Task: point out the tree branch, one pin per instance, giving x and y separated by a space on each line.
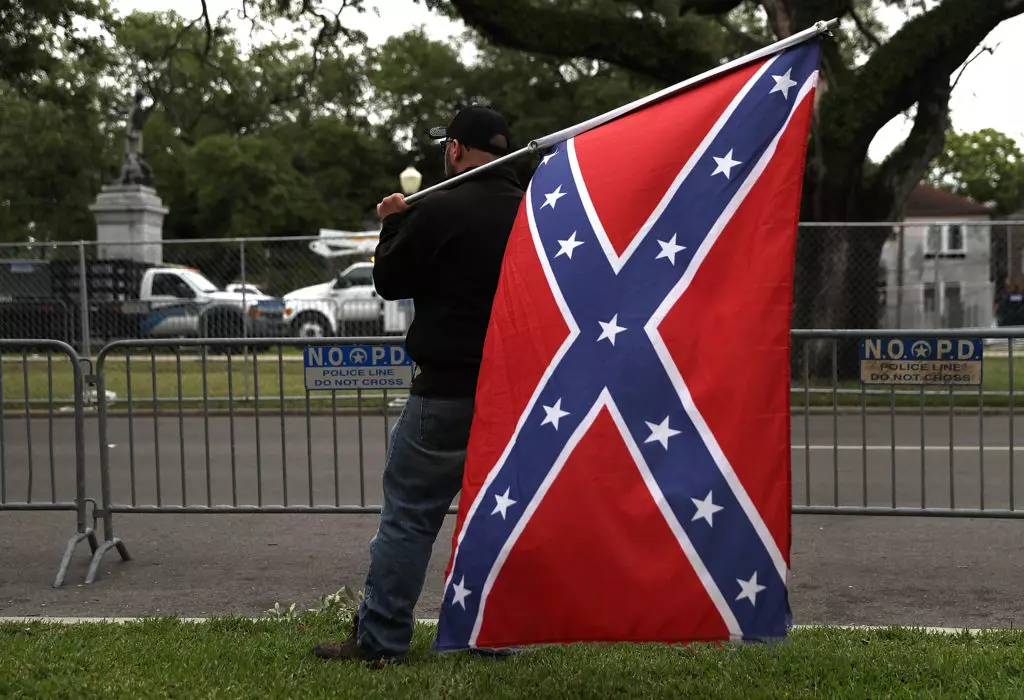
665 51
745 41
700 7
209 29
972 59
904 168
863 28
924 52
781 17
710 7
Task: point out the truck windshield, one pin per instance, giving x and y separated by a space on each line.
198 281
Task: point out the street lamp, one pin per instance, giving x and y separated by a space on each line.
410 179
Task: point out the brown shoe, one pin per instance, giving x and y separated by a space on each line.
349 650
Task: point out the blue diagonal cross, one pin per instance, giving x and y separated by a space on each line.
613 356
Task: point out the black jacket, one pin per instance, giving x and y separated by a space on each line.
445 254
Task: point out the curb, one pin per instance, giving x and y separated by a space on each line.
433 621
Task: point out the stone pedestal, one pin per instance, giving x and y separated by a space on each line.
129 223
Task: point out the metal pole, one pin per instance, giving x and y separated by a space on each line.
245 320
1009 252
899 279
83 300
540 144
819 28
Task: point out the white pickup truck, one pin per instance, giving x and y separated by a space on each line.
177 302
346 306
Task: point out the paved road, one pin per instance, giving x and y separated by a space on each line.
867 570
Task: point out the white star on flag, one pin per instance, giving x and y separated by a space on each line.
725 165
568 245
749 589
545 159
503 503
460 593
705 509
610 329
660 432
783 83
669 249
552 197
554 414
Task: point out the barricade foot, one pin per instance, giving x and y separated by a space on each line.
70 551
97 557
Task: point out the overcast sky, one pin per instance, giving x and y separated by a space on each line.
988 95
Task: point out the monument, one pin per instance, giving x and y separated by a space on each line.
129 213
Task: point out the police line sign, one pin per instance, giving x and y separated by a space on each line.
353 367
945 361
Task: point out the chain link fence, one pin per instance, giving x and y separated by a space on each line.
235 288
917 274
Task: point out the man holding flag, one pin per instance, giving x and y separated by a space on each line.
627 476
445 254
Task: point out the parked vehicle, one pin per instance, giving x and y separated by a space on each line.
347 305
127 299
179 302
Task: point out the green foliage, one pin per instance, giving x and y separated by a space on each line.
280 138
418 83
985 165
54 145
38 36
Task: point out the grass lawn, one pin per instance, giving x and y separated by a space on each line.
271 376
268 376
238 658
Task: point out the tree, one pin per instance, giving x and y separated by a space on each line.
985 165
272 142
54 140
38 37
418 83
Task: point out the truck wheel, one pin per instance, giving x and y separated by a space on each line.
311 325
223 325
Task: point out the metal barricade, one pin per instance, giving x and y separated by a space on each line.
918 450
34 428
227 426
269 447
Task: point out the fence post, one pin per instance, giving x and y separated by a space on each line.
109 541
1009 253
245 320
82 531
901 251
83 298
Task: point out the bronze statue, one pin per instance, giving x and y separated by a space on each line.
135 170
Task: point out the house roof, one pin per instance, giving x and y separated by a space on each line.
929 201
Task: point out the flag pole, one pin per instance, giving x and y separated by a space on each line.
820 27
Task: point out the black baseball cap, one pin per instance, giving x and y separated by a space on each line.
474 127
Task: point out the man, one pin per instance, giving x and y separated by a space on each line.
445 253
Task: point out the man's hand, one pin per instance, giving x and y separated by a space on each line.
393 204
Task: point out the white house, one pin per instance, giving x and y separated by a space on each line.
946 276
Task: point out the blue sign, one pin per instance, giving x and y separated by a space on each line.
354 367
945 361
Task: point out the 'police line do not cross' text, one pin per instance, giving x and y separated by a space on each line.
354 367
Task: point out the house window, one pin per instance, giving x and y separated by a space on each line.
945 240
954 239
929 297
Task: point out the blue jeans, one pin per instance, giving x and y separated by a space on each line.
422 476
